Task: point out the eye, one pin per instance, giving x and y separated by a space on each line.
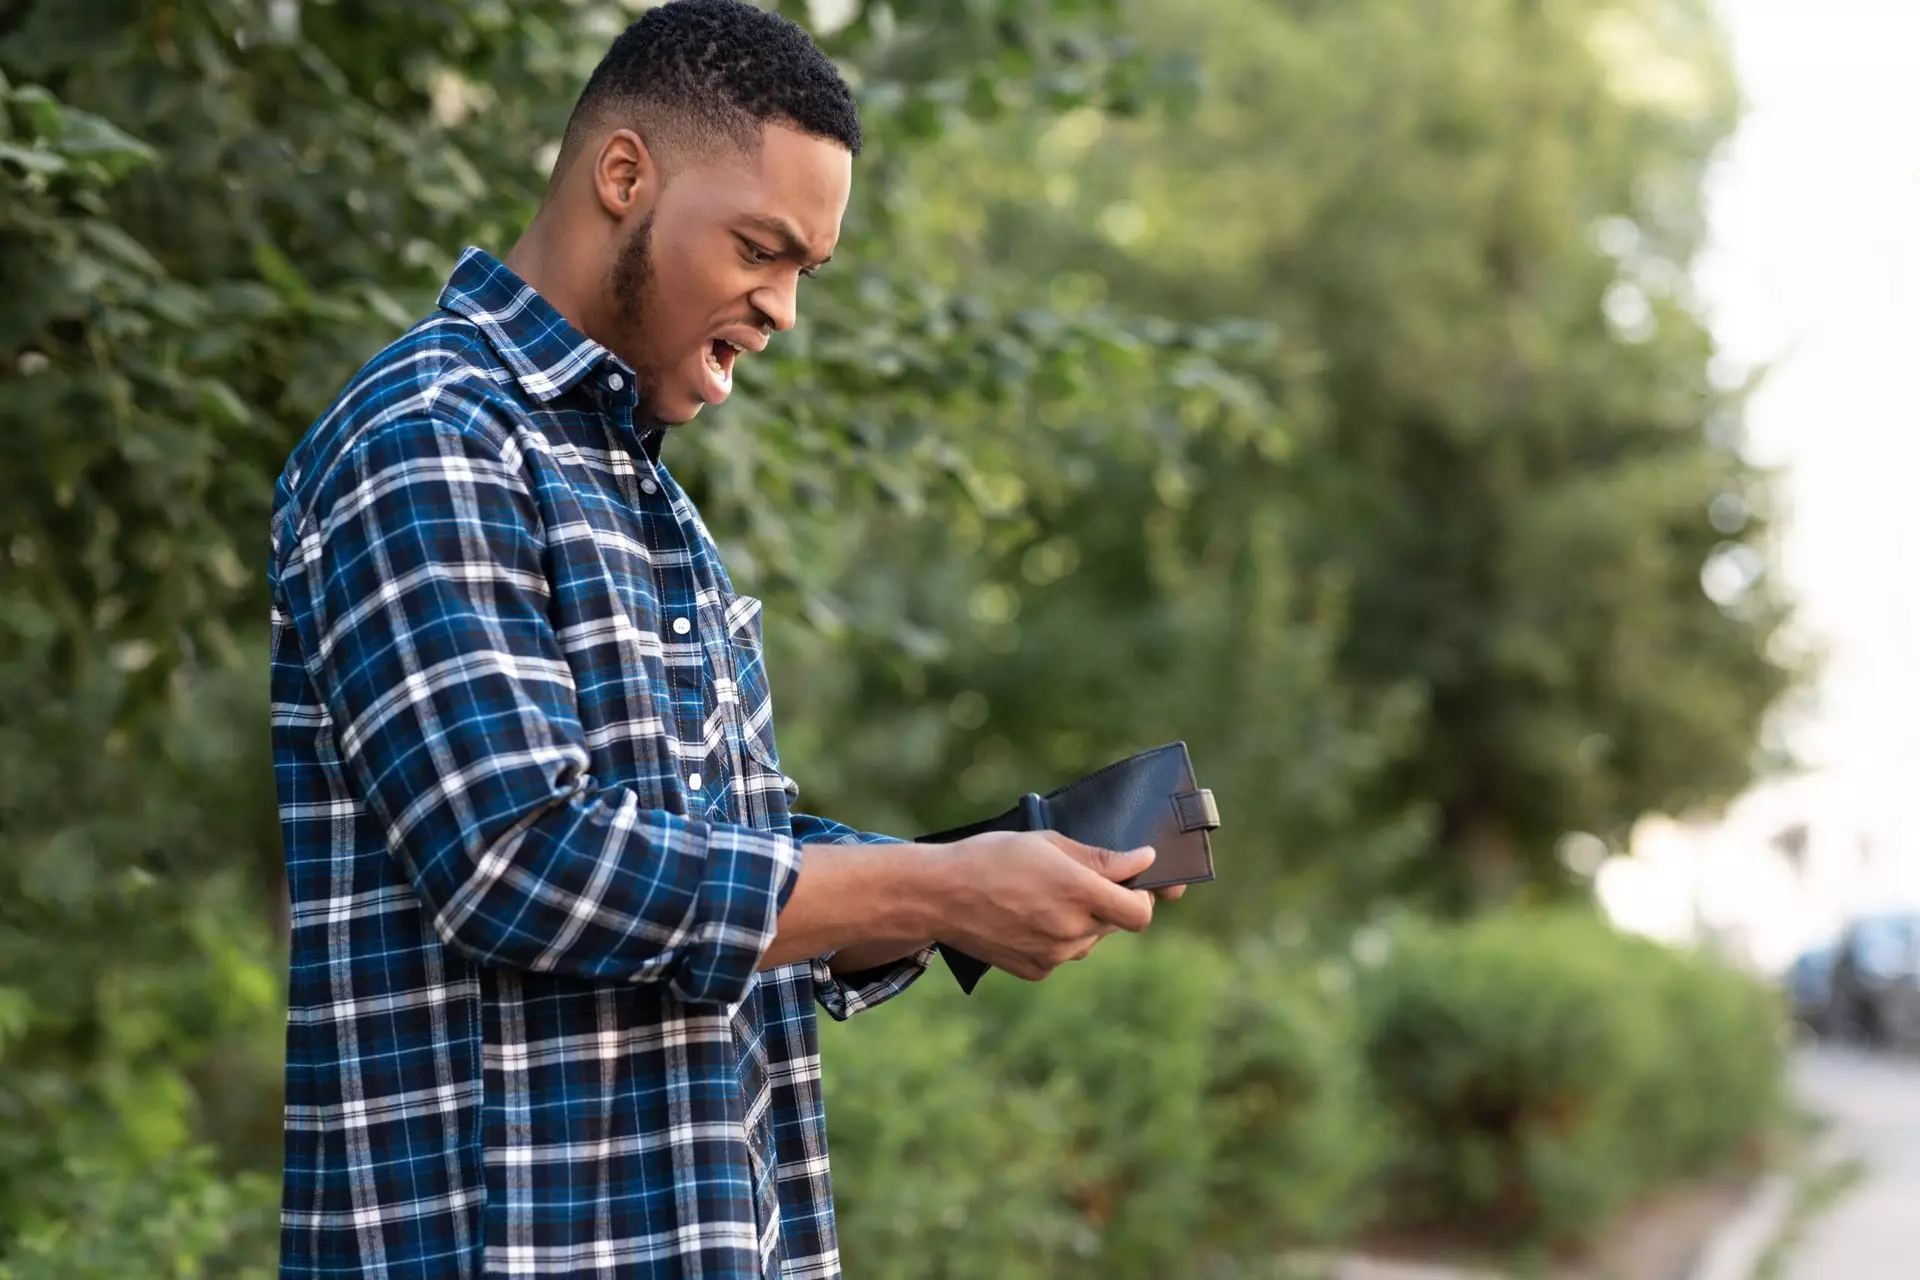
755 254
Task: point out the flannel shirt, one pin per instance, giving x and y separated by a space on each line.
537 837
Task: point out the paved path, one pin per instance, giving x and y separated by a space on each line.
1873 1231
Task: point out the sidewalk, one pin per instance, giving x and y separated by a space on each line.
1873 1232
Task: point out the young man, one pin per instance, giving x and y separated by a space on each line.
557 934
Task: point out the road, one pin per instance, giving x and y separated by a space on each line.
1873 1231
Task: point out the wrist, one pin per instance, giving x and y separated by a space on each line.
933 886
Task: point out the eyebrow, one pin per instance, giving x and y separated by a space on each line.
791 245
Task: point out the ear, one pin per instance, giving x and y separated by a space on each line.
626 181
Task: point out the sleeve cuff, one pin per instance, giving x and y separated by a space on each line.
749 876
859 992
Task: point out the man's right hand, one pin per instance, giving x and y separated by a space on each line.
1028 902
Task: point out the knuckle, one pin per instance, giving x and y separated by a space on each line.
1062 926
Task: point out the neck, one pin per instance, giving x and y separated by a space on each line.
557 275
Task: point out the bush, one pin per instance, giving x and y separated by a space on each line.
1721 1074
1167 1099
941 1167
1544 1069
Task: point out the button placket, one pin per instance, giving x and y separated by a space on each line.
690 676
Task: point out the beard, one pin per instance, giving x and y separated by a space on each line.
633 287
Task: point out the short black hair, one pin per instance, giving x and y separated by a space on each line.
715 68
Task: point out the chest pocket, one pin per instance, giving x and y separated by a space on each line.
753 698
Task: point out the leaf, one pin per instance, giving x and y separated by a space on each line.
220 402
90 136
275 268
387 307
176 302
117 244
42 110
32 159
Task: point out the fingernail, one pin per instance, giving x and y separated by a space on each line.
1145 848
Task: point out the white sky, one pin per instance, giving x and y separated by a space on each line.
1814 267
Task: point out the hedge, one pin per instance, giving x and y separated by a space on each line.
1174 1105
1168 1100
1544 1070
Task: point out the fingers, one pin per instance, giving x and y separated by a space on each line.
1073 910
1130 909
1038 968
1107 863
1171 893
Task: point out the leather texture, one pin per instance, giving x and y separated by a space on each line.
1149 798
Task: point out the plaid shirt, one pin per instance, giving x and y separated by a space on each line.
537 837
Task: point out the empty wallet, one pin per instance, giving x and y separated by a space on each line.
1147 799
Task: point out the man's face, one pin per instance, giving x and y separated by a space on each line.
716 265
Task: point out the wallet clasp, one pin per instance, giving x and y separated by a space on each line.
1196 810
1033 812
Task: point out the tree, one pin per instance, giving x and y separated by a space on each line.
214 210
1515 464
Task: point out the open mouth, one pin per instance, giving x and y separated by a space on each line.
720 357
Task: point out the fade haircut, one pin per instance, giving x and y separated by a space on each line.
692 74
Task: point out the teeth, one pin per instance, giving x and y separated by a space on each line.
719 369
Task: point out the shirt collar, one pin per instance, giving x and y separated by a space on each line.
546 354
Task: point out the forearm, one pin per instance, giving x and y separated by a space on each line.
868 904
864 956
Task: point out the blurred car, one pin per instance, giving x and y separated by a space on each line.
1809 984
1874 991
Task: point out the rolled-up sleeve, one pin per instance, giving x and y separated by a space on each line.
844 994
418 587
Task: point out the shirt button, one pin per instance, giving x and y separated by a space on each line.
615 382
681 626
648 486
693 781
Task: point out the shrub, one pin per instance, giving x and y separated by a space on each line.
1165 1100
1543 1069
941 1166
1721 1073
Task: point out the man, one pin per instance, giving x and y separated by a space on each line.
557 933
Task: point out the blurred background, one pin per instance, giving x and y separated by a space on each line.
1482 429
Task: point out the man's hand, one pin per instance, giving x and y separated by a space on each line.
1028 902
1100 859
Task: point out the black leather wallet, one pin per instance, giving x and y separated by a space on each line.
1149 798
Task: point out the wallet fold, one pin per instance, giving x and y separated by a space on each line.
1146 799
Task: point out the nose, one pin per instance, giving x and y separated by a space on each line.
778 303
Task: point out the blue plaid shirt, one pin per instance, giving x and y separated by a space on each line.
537 837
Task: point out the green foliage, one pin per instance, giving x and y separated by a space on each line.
1229 370
1167 1101
139 986
1473 225
1543 1070
955 1170
127 955
1175 1102
174 1219
1722 1072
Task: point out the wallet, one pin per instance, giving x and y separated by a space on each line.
1147 799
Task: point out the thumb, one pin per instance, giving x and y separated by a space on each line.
1117 866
